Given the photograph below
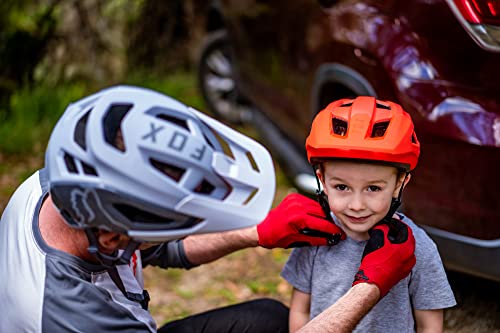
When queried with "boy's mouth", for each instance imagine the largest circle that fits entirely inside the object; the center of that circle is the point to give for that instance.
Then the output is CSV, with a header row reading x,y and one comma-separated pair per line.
x,y
354,219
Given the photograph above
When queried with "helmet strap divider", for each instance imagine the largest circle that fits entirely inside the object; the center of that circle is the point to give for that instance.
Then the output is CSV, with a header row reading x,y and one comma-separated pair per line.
x,y
142,299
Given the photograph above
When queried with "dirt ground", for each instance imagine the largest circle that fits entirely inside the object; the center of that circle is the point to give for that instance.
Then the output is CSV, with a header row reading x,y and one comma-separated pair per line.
x,y
254,273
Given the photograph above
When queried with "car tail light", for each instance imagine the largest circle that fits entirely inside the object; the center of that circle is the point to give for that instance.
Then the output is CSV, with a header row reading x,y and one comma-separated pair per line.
x,y
481,19
477,12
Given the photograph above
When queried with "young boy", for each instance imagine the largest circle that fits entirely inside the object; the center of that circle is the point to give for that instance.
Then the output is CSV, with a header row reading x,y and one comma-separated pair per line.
x,y
363,151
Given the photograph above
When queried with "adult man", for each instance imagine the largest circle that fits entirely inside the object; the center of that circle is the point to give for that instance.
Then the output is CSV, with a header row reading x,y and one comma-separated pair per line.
x,y
128,173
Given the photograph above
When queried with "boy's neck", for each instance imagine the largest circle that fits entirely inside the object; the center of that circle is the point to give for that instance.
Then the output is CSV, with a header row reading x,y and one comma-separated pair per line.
x,y
357,236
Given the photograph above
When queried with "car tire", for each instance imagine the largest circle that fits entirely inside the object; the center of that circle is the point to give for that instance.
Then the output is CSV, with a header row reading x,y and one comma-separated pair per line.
x,y
216,80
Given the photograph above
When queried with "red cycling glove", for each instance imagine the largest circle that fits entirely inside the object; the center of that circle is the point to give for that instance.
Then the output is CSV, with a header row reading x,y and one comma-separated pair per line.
x,y
388,256
297,221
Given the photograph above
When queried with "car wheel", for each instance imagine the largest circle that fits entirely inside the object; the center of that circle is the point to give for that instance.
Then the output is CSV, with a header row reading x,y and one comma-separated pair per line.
x,y
216,80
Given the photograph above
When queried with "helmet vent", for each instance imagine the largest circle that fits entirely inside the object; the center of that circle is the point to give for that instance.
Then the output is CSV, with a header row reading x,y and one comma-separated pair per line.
x,y
382,106
179,122
81,126
345,105
252,161
339,126
224,146
70,163
88,170
204,187
136,214
168,169
254,192
413,138
112,123
379,129
208,141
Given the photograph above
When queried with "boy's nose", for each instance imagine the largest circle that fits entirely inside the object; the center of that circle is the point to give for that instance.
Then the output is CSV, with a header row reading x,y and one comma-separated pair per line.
x,y
356,203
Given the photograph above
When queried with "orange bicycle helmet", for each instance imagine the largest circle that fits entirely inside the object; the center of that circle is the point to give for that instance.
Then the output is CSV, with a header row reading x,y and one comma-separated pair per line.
x,y
364,128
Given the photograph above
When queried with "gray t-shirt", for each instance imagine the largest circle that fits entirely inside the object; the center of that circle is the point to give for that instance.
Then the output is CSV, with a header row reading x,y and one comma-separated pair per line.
x,y
327,273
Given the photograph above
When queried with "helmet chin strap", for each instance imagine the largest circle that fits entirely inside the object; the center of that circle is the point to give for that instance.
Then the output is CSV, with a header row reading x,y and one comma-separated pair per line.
x,y
322,198
114,259
395,202
111,261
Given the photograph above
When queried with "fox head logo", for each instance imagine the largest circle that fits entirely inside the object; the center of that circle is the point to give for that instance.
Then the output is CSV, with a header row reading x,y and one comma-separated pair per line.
x,y
82,202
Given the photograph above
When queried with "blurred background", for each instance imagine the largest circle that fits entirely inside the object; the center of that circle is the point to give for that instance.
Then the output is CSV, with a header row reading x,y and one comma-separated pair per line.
x,y
54,52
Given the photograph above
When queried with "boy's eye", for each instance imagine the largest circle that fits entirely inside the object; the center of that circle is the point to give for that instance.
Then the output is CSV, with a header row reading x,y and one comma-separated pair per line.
x,y
341,187
373,188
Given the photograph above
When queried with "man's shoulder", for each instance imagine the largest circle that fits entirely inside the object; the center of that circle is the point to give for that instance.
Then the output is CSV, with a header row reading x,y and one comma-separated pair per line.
x,y
32,186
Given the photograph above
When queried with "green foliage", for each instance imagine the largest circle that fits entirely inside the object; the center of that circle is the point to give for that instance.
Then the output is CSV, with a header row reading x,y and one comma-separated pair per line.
x,y
33,113
179,85
26,28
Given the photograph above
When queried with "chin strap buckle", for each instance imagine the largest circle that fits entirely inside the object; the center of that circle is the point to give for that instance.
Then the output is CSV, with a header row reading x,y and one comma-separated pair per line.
x,y
145,300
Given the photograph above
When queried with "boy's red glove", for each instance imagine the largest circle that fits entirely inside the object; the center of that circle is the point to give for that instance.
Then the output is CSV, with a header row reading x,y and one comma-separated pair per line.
x,y
297,221
389,255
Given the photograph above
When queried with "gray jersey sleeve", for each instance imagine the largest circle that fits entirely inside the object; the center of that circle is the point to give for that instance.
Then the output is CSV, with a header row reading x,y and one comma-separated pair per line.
x,y
167,255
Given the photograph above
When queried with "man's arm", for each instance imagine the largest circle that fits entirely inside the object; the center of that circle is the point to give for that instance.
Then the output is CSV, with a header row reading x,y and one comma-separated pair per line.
x,y
296,221
347,312
202,249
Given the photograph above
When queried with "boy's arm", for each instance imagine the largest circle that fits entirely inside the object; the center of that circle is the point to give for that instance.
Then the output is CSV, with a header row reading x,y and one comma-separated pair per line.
x,y
299,310
429,321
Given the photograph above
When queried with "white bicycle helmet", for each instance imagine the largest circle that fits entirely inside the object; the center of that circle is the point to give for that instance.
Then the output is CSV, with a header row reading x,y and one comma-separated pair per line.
x,y
134,161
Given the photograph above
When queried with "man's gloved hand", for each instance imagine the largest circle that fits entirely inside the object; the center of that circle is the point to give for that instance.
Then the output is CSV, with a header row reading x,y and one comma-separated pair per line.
x,y
389,255
297,221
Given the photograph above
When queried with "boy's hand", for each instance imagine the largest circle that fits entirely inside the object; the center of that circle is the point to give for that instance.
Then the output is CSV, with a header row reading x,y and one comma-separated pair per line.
x,y
297,221
389,255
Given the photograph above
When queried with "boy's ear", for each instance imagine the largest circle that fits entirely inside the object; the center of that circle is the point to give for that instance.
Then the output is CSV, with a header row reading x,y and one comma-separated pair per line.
x,y
320,175
400,182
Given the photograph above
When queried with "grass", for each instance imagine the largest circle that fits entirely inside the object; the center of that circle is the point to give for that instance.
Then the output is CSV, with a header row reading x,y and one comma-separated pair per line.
x,y
27,120
31,114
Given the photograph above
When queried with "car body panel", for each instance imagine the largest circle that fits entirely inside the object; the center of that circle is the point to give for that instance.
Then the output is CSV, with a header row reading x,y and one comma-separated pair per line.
x,y
431,66
293,58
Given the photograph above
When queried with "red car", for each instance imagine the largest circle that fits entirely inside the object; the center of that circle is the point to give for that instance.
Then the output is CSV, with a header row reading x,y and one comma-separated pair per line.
x,y
278,63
